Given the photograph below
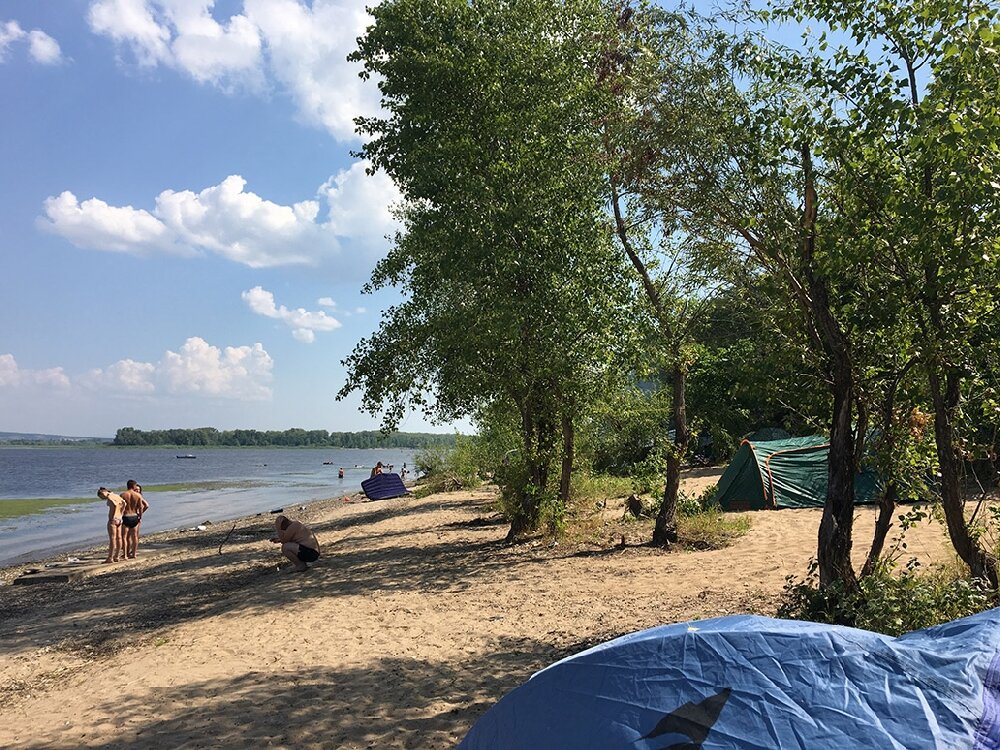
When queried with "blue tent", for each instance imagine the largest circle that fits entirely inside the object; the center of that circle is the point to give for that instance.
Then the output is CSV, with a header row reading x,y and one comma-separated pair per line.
x,y
384,486
759,683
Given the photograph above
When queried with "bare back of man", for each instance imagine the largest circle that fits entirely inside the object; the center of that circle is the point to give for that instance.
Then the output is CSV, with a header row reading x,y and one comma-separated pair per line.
x,y
135,506
298,542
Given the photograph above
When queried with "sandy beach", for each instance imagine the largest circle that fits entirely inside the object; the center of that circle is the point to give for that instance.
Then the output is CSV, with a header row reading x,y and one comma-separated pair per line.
x,y
415,621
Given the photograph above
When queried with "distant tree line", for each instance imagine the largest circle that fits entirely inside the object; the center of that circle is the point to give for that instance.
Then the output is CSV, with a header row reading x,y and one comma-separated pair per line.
x,y
294,437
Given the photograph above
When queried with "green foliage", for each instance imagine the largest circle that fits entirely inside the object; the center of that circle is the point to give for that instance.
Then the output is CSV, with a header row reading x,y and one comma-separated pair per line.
x,y
887,601
293,438
447,469
587,485
692,505
511,291
711,528
647,475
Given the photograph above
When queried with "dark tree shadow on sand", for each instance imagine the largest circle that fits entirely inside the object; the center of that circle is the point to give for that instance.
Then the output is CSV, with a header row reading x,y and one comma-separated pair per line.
x,y
326,708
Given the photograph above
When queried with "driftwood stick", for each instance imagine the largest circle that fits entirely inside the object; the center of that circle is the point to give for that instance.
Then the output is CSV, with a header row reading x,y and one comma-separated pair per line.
x,y
227,538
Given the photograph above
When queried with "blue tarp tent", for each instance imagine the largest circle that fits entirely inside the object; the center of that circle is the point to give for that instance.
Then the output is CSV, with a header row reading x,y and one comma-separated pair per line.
x,y
383,486
762,684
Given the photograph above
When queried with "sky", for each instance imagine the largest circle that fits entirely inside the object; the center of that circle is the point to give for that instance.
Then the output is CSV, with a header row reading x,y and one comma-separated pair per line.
x,y
183,230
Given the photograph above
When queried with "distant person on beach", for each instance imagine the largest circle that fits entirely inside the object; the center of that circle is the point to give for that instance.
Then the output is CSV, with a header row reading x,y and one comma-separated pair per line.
x,y
116,541
298,543
340,474
135,506
377,469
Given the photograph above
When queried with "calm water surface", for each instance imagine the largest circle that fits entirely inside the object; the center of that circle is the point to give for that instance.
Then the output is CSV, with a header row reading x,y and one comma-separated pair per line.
x,y
253,480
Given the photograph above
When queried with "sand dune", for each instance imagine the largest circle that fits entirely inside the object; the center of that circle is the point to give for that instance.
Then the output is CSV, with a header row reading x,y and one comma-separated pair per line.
x,y
413,623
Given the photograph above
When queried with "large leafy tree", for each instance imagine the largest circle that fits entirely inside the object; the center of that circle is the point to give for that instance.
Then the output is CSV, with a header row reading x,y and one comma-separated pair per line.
x,y
512,296
908,127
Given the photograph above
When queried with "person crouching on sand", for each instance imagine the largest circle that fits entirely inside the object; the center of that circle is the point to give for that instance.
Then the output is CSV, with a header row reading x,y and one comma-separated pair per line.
x,y
135,506
116,541
298,543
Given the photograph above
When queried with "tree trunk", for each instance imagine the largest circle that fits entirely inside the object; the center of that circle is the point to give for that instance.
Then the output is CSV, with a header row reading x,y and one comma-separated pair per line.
x,y
886,507
665,530
567,459
834,553
946,401
525,518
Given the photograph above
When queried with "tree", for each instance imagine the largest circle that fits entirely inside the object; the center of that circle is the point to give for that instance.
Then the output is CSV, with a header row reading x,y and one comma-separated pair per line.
x,y
912,131
511,295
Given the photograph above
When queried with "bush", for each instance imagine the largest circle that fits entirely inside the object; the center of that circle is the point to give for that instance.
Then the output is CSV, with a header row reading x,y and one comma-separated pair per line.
x,y
692,505
887,602
447,469
710,528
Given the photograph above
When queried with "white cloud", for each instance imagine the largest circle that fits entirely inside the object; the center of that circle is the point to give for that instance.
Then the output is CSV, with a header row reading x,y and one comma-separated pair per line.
x,y
124,376
326,302
13,376
307,51
183,34
302,48
9,373
238,225
95,224
43,48
240,373
303,323
360,310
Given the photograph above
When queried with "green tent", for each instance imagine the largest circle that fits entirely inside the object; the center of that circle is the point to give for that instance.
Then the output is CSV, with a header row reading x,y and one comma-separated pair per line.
x,y
789,473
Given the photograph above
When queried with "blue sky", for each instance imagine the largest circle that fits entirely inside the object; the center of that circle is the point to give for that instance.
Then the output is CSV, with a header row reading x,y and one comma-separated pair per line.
x,y
183,231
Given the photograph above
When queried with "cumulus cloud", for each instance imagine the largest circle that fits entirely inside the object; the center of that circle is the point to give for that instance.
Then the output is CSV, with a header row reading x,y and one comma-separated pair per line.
x,y
184,35
307,51
9,373
241,372
198,368
299,47
42,48
303,323
229,221
326,302
12,375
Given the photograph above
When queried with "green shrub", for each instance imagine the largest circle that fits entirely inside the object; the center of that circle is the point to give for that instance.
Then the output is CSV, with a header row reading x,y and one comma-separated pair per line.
x,y
648,475
710,528
886,601
587,486
447,469
692,505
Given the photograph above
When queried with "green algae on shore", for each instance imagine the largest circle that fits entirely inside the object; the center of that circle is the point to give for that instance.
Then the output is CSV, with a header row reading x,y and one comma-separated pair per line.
x,y
26,507
206,486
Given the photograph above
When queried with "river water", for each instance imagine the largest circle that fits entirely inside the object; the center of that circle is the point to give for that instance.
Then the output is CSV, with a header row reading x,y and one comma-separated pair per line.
x,y
244,481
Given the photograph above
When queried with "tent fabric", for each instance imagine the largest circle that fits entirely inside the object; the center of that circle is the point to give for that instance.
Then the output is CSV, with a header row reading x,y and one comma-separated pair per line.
x,y
789,473
384,486
756,683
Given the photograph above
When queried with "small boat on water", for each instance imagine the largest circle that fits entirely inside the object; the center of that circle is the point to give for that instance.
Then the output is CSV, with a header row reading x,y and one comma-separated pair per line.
x,y
186,455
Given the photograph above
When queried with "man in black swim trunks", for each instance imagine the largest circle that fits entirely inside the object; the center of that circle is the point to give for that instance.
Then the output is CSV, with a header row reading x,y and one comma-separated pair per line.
x,y
135,506
298,543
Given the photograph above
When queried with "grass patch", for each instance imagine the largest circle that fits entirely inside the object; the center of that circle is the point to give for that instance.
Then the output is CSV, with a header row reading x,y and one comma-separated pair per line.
x,y
600,486
711,529
207,486
591,522
17,508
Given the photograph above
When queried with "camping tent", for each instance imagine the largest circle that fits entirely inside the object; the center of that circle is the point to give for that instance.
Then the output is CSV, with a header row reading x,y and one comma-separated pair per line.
x,y
757,682
789,473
